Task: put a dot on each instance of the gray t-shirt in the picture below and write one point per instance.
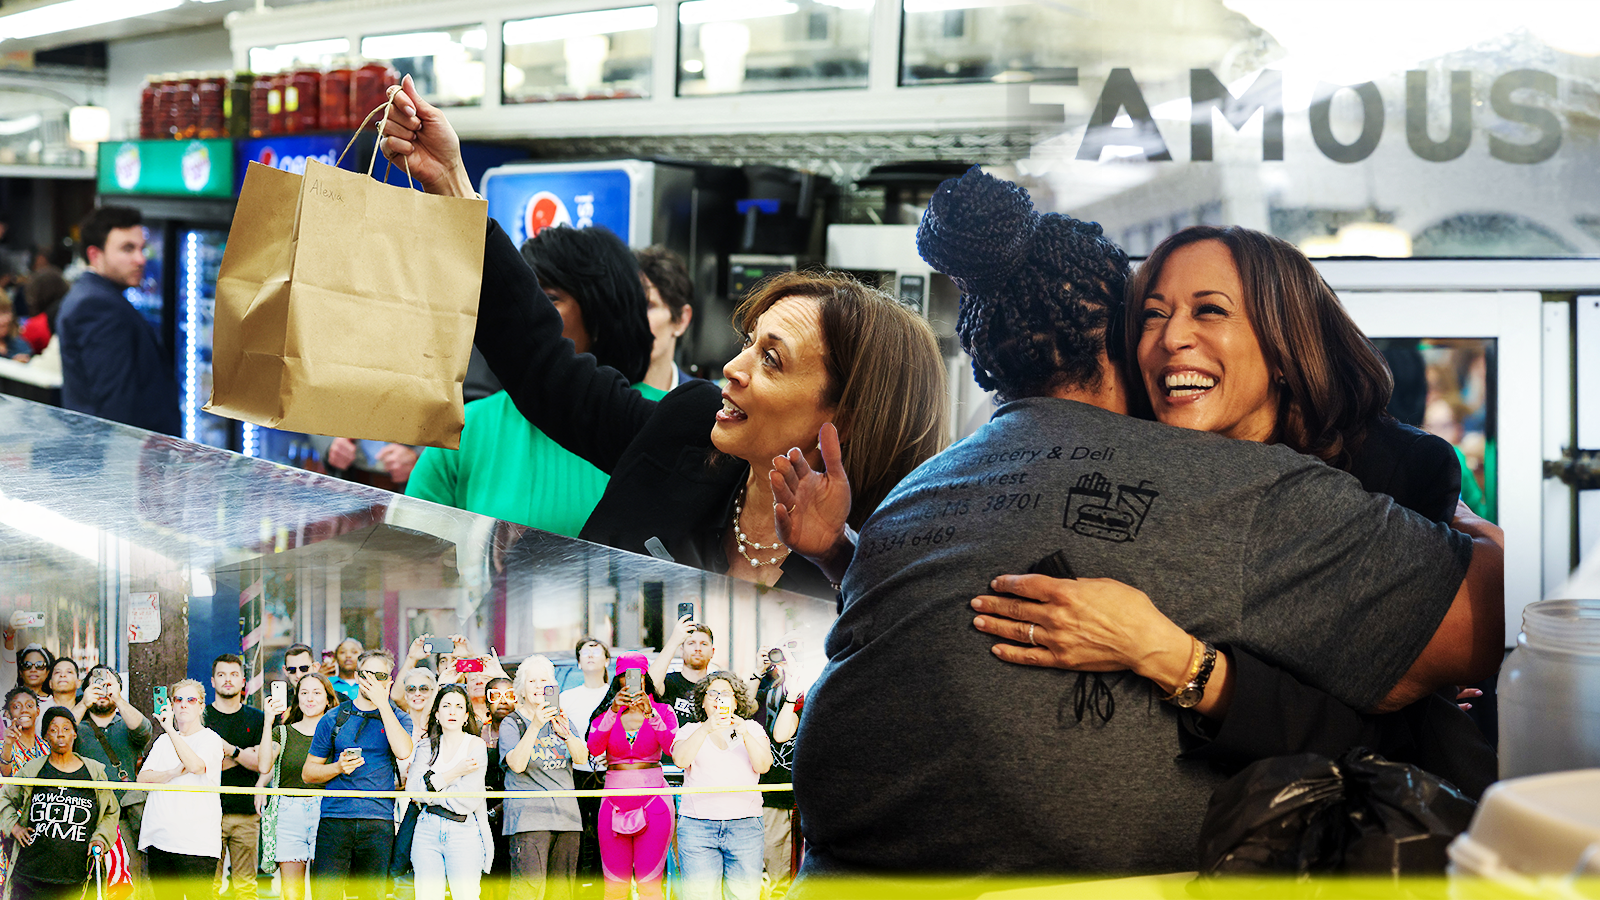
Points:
(549, 769)
(922, 751)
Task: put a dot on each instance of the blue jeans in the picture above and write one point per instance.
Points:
(445, 850)
(723, 854)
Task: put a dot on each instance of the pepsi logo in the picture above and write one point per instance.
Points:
(544, 210)
(267, 157)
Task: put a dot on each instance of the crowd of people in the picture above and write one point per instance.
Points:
(443, 720)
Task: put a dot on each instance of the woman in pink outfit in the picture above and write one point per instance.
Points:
(633, 729)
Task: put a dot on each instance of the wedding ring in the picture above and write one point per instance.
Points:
(1031, 641)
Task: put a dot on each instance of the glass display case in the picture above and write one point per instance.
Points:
(108, 533)
(975, 41)
(752, 46)
(603, 54)
(318, 53)
(445, 63)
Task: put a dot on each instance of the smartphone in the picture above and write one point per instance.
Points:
(350, 753)
(438, 645)
(686, 609)
(327, 657)
(27, 619)
(552, 695)
(633, 680)
(161, 699)
(280, 693)
(469, 665)
(1055, 565)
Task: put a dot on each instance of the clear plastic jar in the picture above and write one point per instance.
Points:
(1549, 691)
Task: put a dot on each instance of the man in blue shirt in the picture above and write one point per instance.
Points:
(112, 364)
(364, 738)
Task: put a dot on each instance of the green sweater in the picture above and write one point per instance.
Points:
(510, 470)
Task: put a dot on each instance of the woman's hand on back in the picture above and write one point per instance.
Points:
(417, 134)
(812, 508)
(1087, 624)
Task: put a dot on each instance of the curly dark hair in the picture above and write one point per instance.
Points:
(743, 704)
(1042, 295)
(599, 271)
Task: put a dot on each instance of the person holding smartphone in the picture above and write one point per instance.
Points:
(57, 829)
(719, 834)
(579, 704)
(113, 733)
(358, 748)
(181, 834)
(633, 729)
(539, 749)
(283, 754)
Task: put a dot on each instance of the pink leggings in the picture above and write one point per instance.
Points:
(642, 855)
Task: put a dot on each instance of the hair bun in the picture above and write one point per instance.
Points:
(977, 227)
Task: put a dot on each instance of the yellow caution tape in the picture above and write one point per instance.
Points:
(414, 795)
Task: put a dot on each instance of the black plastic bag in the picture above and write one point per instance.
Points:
(1305, 814)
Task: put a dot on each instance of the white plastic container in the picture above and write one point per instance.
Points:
(1537, 836)
(1549, 691)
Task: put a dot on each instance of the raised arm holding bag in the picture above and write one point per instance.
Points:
(337, 297)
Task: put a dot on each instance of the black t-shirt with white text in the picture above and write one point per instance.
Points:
(243, 730)
(63, 820)
(677, 696)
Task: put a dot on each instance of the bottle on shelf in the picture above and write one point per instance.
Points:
(275, 100)
(260, 104)
(336, 87)
(186, 107)
(149, 97)
(303, 100)
(166, 105)
(237, 104)
(211, 97)
(371, 88)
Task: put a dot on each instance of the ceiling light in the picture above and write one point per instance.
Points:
(699, 12)
(74, 14)
(559, 28)
(89, 124)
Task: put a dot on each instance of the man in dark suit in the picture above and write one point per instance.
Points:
(112, 364)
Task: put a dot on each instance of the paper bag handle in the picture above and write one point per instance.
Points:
(377, 148)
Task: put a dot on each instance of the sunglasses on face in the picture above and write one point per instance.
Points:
(719, 695)
(36, 665)
(376, 676)
(502, 696)
(422, 688)
(185, 700)
(301, 669)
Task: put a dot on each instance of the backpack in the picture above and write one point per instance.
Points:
(342, 715)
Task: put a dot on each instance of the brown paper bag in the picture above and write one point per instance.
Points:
(346, 307)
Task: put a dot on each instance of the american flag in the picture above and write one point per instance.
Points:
(114, 873)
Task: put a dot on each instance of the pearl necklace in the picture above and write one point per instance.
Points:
(741, 541)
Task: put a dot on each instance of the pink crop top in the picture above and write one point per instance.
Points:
(654, 739)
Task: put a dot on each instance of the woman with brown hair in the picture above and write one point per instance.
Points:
(692, 470)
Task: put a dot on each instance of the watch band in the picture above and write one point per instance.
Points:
(1196, 656)
(1189, 695)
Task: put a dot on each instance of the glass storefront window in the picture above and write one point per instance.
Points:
(751, 46)
(305, 53)
(1433, 129)
(446, 63)
(974, 41)
(600, 55)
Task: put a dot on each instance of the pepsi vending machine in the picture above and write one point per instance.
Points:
(688, 208)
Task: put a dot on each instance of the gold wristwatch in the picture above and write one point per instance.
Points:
(1193, 690)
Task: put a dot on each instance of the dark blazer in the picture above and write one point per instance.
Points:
(1273, 714)
(112, 366)
(667, 480)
